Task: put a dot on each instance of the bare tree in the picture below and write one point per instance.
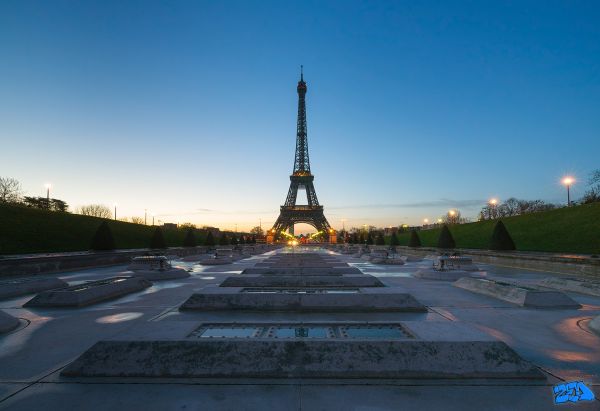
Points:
(594, 177)
(509, 208)
(187, 225)
(593, 194)
(10, 190)
(137, 220)
(95, 210)
(514, 207)
(452, 217)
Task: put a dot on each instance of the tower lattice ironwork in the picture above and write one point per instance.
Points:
(301, 177)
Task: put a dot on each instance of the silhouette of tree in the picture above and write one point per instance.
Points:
(445, 239)
(103, 239)
(158, 240)
(501, 239)
(209, 240)
(10, 190)
(190, 238)
(414, 241)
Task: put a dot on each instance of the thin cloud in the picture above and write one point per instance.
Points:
(443, 202)
(204, 211)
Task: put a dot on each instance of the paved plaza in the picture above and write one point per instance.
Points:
(557, 341)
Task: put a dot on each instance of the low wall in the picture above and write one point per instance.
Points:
(548, 262)
(46, 264)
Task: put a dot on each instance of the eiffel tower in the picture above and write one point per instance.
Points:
(301, 177)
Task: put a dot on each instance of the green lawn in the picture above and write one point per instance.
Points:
(29, 230)
(575, 229)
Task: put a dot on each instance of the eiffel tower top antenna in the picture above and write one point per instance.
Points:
(301, 159)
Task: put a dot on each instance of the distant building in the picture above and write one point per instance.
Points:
(214, 230)
(169, 226)
(389, 230)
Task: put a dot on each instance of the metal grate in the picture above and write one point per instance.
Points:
(255, 290)
(383, 331)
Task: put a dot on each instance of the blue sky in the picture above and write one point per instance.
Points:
(188, 108)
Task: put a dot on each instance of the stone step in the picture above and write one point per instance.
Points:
(319, 281)
(520, 295)
(89, 293)
(24, 286)
(429, 349)
(379, 299)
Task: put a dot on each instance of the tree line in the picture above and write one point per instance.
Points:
(12, 193)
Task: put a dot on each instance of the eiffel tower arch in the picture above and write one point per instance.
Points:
(301, 178)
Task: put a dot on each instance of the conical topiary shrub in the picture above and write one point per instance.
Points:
(445, 239)
(209, 240)
(223, 240)
(379, 240)
(414, 241)
(501, 239)
(190, 238)
(158, 240)
(394, 241)
(369, 239)
(103, 239)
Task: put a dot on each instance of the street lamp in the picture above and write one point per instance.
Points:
(452, 217)
(568, 181)
(493, 203)
(115, 205)
(153, 215)
(48, 187)
(145, 215)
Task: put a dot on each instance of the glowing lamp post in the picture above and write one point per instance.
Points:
(568, 181)
(452, 216)
(493, 203)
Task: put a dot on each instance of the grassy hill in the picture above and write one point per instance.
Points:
(29, 230)
(575, 229)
